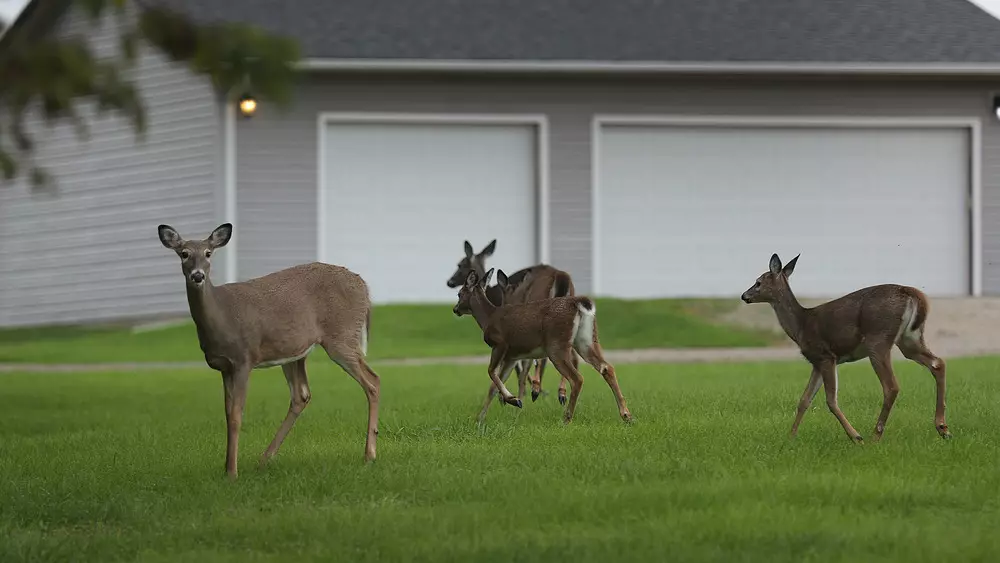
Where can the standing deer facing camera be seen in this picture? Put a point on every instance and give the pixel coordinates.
(865, 323)
(533, 283)
(276, 320)
(557, 328)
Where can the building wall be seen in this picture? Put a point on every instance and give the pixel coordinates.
(88, 250)
(277, 150)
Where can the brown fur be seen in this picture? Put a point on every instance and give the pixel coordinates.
(865, 323)
(533, 283)
(275, 320)
(547, 328)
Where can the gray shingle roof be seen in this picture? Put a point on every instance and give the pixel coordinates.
(681, 31)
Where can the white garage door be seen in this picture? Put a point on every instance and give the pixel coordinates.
(698, 211)
(400, 199)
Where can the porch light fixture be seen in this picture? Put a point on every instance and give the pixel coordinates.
(248, 105)
(996, 106)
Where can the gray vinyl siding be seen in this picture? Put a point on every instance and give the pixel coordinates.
(277, 152)
(88, 251)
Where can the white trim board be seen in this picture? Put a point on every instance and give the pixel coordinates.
(229, 179)
(319, 64)
(540, 122)
(973, 124)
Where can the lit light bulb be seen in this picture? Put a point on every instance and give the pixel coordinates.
(248, 105)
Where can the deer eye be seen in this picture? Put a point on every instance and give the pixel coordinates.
(208, 254)
(185, 254)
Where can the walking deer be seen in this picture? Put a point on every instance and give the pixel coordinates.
(276, 320)
(865, 323)
(528, 284)
(558, 329)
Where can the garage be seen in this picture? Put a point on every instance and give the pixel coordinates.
(692, 209)
(398, 196)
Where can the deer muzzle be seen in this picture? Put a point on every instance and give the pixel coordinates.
(197, 277)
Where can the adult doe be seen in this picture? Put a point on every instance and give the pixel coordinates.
(533, 283)
(276, 320)
(865, 323)
(558, 328)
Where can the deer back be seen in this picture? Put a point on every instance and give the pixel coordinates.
(282, 314)
(879, 313)
(543, 282)
(525, 327)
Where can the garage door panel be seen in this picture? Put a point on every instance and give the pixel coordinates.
(698, 211)
(401, 199)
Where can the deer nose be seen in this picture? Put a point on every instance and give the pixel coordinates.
(198, 276)
(745, 297)
(456, 311)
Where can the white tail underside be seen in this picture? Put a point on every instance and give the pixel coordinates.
(906, 330)
(583, 327)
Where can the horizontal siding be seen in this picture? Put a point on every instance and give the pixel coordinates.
(88, 251)
(277, 167)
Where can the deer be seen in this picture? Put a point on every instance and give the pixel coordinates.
(276, 320)
(533, 283)
(866, 323)
(559, 328)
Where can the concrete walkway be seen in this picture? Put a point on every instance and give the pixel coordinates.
(655, 355)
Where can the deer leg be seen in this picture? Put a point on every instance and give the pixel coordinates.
(493, 392)
(234, 385)
(812, 387)
(563, 380)
(918, 352)
(498, 363)
(566, 368)
(536, 383)
(593, 356)
(354, 364)
(298, 389)
(522, 368)
(881, 359)
(829, 372)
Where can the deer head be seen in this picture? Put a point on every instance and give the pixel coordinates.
(473, 284)
(195, 255)
(772, 284)
(471, 263)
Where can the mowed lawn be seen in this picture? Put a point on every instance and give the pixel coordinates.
(129, 467)
(398, 331)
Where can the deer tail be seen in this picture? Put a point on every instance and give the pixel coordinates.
(367, 330)
(563, 285)
(923, 307)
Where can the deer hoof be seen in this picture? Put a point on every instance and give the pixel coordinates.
(943, 431)
(627, 417)
(562, 399)
(516, 402)
(859, 439)
(534, 396)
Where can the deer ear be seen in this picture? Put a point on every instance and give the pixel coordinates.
(220, 236)
(169, 237)
(790, 266)
(486, 278)
(490, 248)
(471, 279)
(501, 279)
(468, 250)
(775, 264)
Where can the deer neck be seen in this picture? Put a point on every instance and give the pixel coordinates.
(482, 309)
(207, 312)
(791, 314)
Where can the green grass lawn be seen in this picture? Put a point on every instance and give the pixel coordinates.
(129, 467)
(417, 331)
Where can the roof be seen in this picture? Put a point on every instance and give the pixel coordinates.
(616, 31)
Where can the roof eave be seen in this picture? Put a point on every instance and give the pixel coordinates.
(649, 67)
